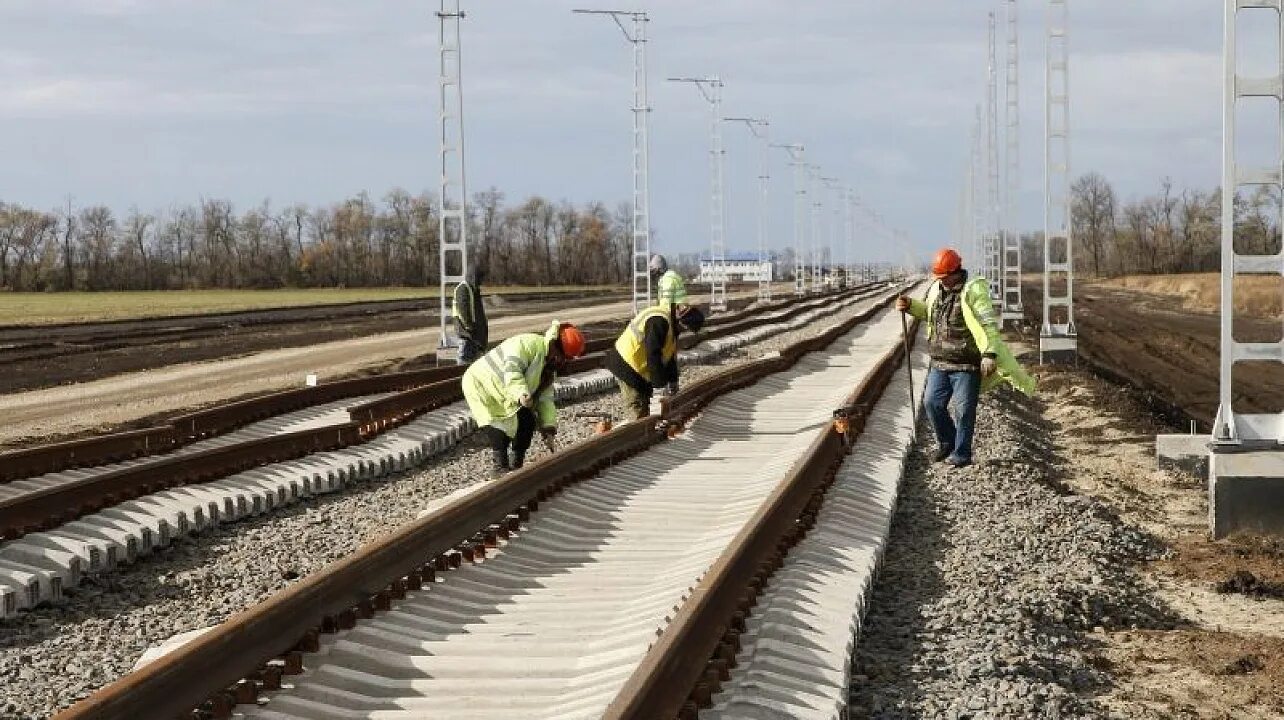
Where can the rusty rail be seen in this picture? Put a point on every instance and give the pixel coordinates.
(290, 620)
(189, 427)
(31, 462)
(49, 507)
(683, 668)
(252, 649)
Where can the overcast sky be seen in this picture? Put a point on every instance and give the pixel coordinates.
(159, 102)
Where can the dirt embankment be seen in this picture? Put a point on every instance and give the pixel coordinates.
(1255, 295)
(1172, 354)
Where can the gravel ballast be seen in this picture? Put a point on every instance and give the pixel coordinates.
(994, 583)
(53, 656)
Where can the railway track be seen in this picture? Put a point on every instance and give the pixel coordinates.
(605, 580)
(175, 494)
(223, 418)
(26, 343)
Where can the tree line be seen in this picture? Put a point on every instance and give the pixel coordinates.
(354, 243)
(1166, 231)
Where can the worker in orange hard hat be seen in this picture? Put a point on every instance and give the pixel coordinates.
(968, 353)
(510, 390)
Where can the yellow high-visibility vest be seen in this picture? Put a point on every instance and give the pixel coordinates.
(670, 290)
(630, 344)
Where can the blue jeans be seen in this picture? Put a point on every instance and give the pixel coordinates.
(953, 433)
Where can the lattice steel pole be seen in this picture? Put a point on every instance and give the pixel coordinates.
(849, 249)
(759, 128)
(798, 161)
(1231, 427)
(1013, 309)
(835, 220)
(813, 237)
(711, 89)
(641, 151)
(993, 209)
(1058, 338)
(978, 192)
(452, 224)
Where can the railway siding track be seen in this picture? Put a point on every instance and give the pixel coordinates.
(738, 449)
(391, 435)
(223, 418)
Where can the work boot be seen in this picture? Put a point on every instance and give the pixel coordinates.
(519, 459)
(959, 462)
(941, 454)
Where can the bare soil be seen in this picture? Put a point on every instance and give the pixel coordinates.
(40, 357)
(1171, 355)
(1255, 295)
(1225, 659)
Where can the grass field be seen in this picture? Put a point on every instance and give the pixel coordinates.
(1255, 295)
(53, 308)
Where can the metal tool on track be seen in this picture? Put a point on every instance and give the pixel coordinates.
(909, 368)
(603, 421)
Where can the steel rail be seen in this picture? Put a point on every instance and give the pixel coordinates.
(50, 506)
(189, 427)
(250, 651)
(683, 669)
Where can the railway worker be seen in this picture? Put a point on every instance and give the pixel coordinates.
(968, 354)
(470, 316)
(645, 356)
(669, 288)
(510, 390)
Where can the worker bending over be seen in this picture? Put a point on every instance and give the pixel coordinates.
(470, 317)
(645, 357)
(669, 288)
(510, 390)
(968, 354)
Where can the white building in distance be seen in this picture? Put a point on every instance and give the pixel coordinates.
(739, 267)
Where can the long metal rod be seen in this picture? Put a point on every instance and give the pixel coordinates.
(909, 368)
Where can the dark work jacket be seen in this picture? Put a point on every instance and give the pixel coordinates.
(662, 373)
(953, 347)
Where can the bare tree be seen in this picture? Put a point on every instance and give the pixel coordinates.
(68, 255)
(138, 225)
(1093, 208)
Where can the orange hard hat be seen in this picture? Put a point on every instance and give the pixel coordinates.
(572, 340)
(946, 262)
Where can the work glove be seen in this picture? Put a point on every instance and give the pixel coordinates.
(673, 388)
(903, 303)
(526, 401)
(549, 435)
(988, 367)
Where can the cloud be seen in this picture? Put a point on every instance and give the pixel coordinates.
(311, 99)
